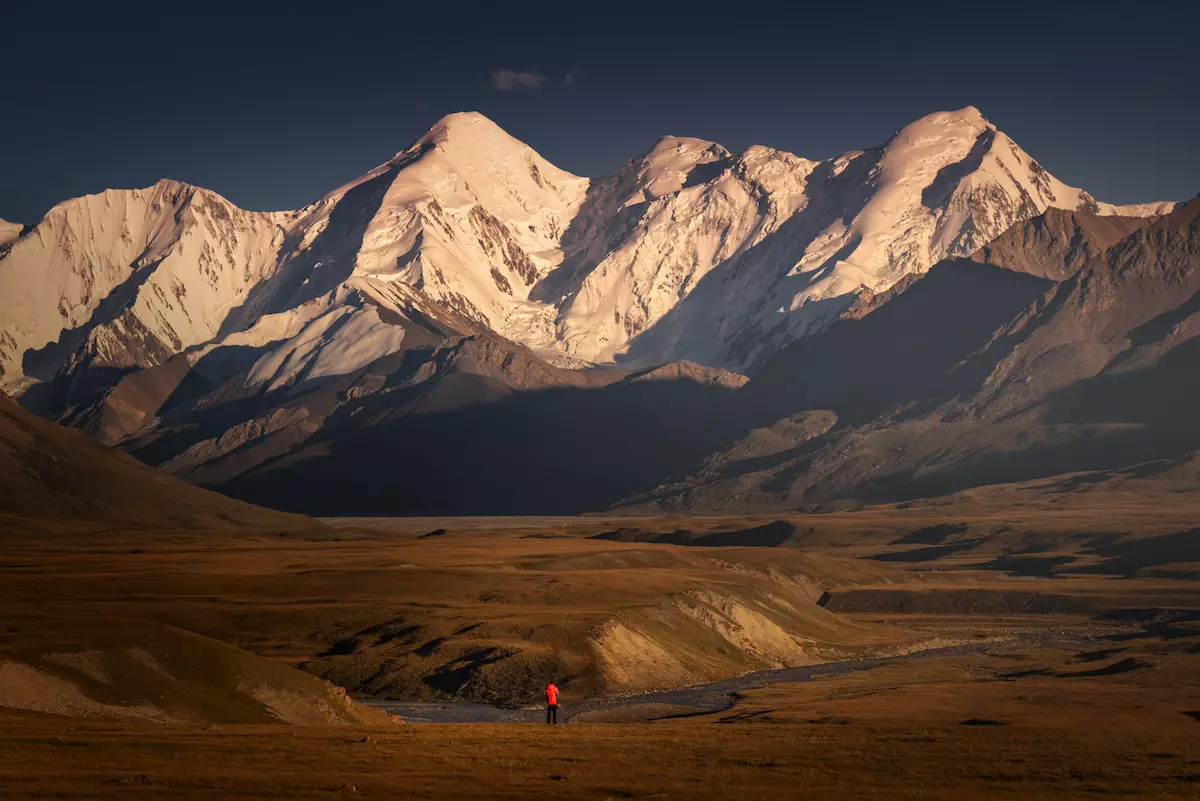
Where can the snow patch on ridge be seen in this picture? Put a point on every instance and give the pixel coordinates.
(9, 231)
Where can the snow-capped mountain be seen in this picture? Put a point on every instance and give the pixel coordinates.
(467, 215)
(696, 253)
(440, 303)
(688, 251)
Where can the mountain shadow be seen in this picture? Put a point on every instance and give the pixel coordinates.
(551, 451)
(768, 535)
(911, 354)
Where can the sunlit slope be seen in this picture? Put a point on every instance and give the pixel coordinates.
(138, 671)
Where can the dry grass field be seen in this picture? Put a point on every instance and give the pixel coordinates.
(1083, 680)
(44, 759)
(481, 615)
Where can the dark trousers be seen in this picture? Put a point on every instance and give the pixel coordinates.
(552, 713)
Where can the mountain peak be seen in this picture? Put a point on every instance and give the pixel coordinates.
(666, 167)
(462, 123)
(470, 144)
(470, 138)
(968, 113)
(967, 121)
(467, 130)
(684, 148)
(670, 142)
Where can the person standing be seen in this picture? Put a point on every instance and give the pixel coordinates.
(551, 703)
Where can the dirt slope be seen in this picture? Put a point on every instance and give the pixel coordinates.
(52, 477)
(139, 671)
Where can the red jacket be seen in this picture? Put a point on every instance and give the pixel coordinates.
(551, 695)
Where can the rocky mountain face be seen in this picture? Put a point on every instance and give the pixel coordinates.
(1067, 344)
(446, 301)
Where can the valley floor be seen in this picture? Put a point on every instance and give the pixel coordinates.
(1062, 669)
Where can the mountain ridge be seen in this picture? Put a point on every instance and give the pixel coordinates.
(468, 285)
(577, 269)
(980, 372)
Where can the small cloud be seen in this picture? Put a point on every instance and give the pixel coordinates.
(511, 80)
(570, 78)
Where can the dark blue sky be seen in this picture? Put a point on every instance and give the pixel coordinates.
(274, 107)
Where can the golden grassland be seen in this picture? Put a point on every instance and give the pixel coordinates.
(494, 614)
(1018, 722)
(489, 608)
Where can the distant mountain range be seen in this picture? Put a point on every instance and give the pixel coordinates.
(469, 328)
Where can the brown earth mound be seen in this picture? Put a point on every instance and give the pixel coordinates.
(139, 671)
(53, 477)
